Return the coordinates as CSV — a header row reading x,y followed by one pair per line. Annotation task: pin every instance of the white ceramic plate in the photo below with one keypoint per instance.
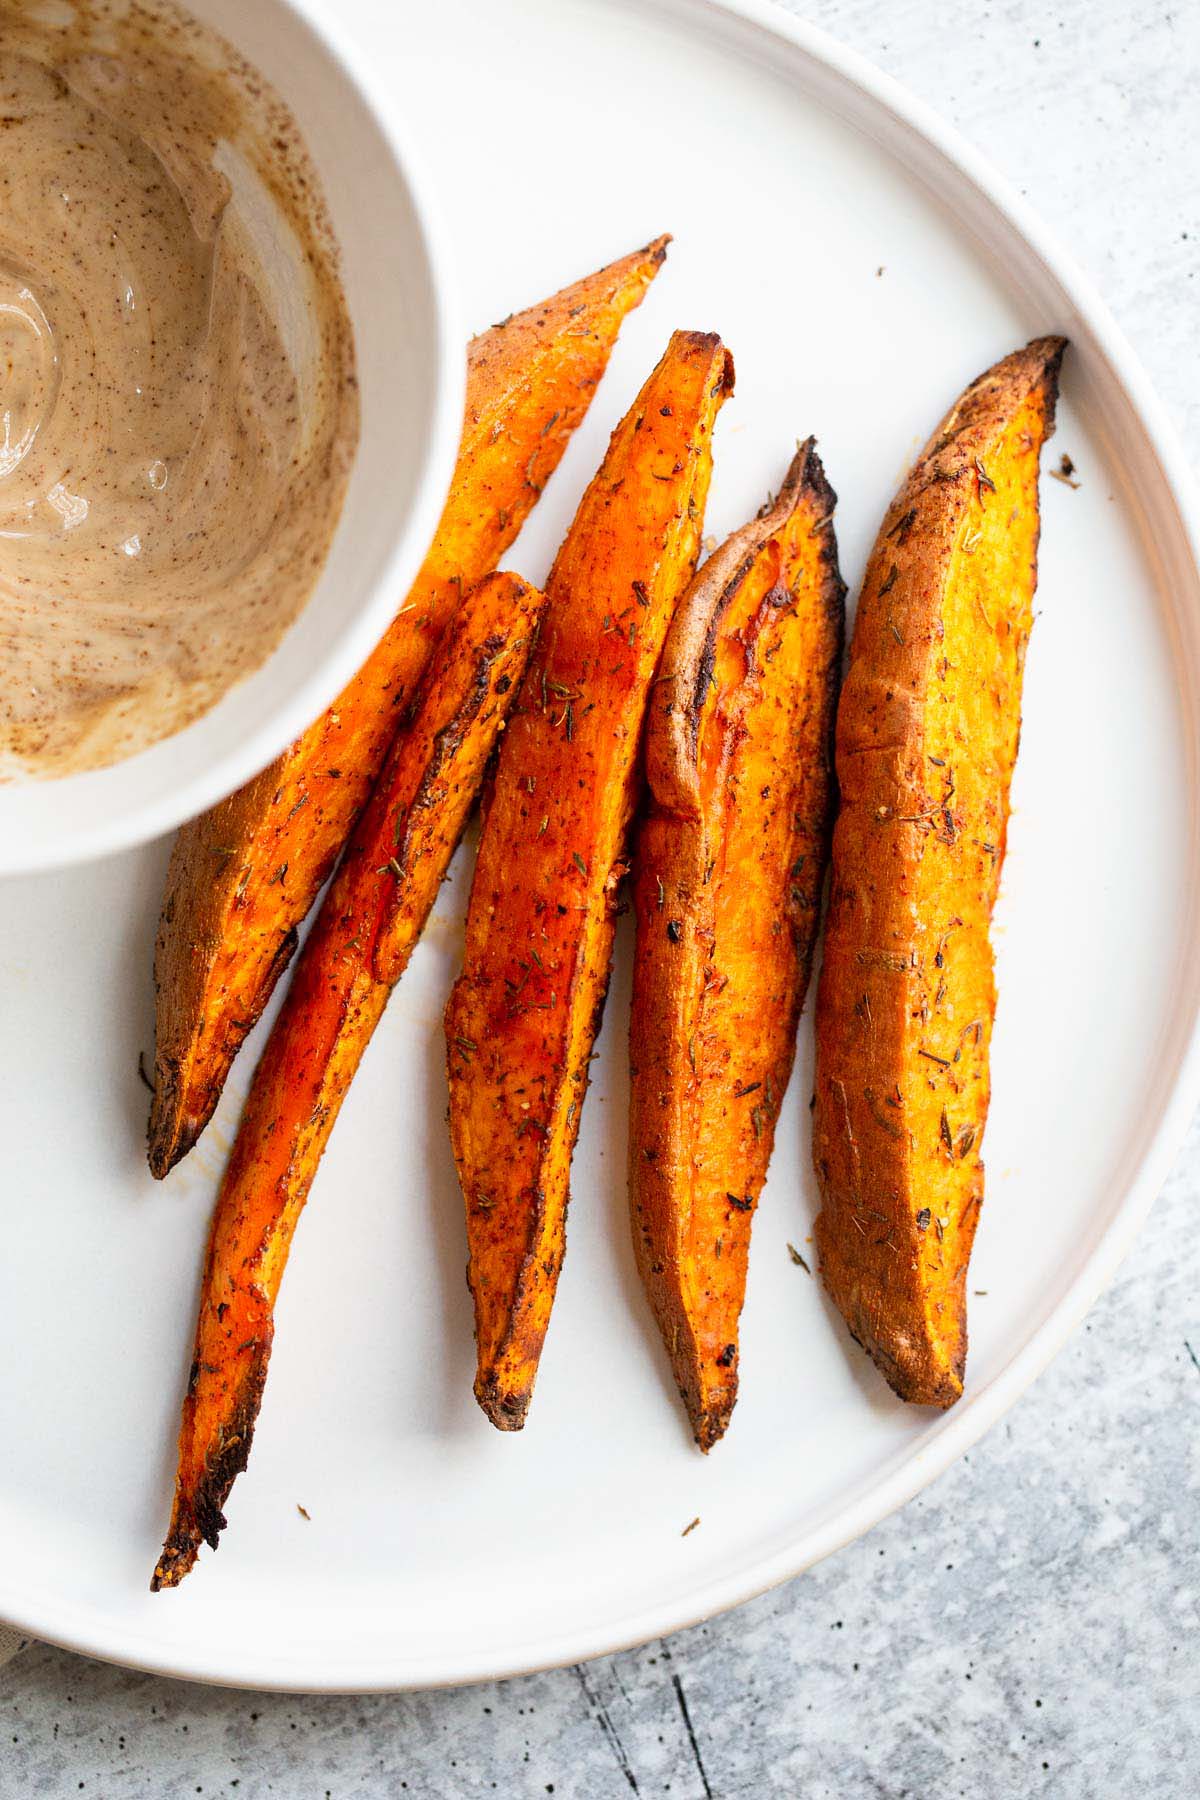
x,y
863,266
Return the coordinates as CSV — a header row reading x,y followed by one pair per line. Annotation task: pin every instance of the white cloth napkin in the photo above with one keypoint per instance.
x,y
10,1642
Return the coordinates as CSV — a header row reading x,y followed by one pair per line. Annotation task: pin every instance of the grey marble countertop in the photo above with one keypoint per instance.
x,y
1029,1625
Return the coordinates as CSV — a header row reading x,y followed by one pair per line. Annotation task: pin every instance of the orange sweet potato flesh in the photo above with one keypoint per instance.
x,y
373,914
523,1017
927,736
729,868
243,876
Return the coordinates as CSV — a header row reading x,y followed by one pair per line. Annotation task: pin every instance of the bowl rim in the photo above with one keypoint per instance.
x,y
138,822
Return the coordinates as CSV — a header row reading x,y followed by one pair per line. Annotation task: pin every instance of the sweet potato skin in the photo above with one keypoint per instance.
x,y
243,876
372,917
927,736
522,1019
730,864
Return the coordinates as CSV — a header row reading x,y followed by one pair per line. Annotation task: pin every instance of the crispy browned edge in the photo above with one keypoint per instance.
x,y
691,646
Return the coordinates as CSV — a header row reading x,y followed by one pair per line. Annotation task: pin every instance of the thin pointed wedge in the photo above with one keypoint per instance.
x,y
243,876
523,1017
729,867
374,911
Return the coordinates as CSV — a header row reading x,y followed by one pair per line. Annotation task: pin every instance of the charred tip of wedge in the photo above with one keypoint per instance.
x,y
197,1516
191,1526
169,1135
708,1404
173,1128
912,1375
712,1422
177,1560
1052,350
506,1410
1049,350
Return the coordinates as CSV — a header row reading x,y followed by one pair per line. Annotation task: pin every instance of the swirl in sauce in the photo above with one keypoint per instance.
x,y
178,409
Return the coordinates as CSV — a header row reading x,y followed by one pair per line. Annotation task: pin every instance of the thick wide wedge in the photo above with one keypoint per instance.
x,y
729,864
523,1017
375,911
927,738
243,876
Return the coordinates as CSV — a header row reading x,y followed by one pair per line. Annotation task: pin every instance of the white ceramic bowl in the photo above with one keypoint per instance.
x,y
411,373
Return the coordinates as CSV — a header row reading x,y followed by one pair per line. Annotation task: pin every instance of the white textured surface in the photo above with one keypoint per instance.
x,y
1029,1625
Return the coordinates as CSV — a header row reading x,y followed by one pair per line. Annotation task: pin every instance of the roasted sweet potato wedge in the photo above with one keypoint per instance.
x,y
729,867
243,876
523,1016
926,741
374,911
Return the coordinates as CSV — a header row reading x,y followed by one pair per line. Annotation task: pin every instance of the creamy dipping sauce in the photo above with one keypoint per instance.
x,y
178,409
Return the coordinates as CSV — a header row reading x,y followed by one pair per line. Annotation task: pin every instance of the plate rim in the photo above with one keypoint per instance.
x,y
882,1496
